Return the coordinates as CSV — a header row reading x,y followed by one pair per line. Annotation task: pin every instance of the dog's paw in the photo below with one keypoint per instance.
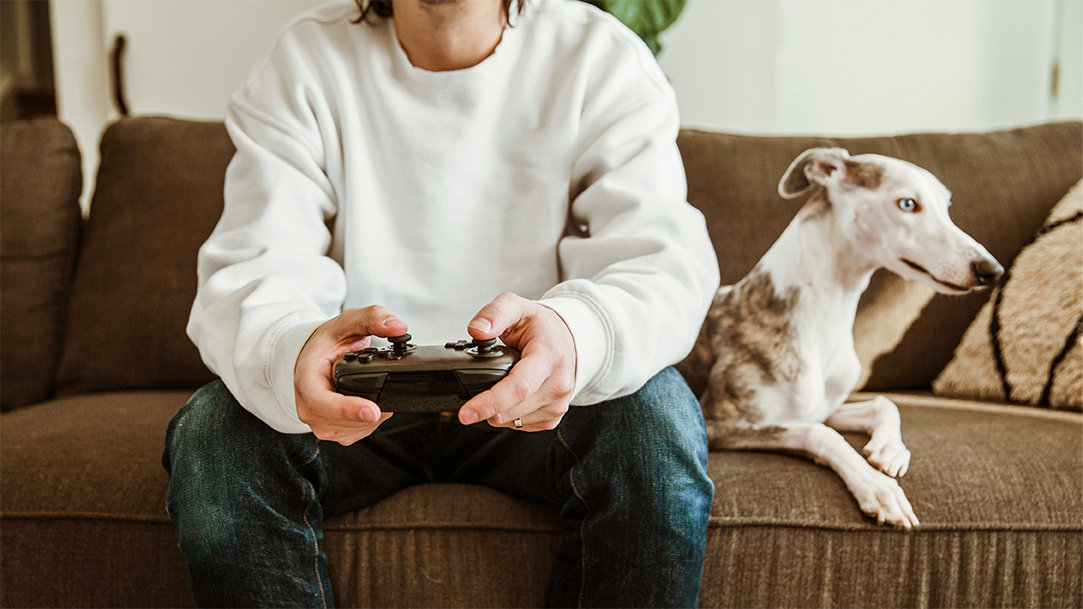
x,y
882,498
888,454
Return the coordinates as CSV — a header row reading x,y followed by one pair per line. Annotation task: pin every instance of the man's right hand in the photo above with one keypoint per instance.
x,y
331,415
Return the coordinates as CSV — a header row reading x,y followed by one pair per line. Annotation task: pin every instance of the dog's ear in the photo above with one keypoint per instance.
x,y
812,167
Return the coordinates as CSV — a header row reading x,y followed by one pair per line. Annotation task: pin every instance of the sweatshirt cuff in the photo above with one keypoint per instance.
x,y
592,341
285,347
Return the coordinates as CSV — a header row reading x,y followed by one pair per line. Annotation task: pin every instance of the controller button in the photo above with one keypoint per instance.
x,y
365,358
350,357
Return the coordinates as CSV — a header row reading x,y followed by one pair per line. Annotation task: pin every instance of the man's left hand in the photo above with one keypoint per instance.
x,y
539,387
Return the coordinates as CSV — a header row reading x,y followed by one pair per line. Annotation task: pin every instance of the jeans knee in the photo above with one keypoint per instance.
x,y
652,446
212,425
216,452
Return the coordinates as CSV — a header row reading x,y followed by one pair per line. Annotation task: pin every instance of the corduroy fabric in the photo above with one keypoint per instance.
x,y
997,489
1004,183
157,197
39,205
779,566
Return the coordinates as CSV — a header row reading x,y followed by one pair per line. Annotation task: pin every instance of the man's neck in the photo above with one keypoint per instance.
x,y
441,35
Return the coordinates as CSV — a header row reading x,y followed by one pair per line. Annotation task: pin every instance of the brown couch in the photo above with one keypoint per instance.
x,y
95,361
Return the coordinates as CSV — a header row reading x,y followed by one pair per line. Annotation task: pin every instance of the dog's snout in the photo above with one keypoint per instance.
x,y
987,271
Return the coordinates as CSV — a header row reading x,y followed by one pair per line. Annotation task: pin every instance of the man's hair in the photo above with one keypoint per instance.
x,y
383,9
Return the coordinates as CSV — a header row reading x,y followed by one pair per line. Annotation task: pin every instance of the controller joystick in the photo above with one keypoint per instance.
x,y
485,348
400,345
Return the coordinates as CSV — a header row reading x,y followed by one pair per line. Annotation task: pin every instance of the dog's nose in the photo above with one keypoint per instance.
x,y
987,271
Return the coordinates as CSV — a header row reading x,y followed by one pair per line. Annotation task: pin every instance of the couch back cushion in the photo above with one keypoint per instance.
x,y
157,198
1003,183
39,204
159,194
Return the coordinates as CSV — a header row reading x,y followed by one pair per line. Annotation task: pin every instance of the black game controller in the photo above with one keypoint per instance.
x,y
407,378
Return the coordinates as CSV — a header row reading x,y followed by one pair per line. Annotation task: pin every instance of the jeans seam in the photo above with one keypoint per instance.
x,y
582,522
312,531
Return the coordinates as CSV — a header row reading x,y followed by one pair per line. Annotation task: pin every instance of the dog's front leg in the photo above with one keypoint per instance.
x,y
878,495
880,419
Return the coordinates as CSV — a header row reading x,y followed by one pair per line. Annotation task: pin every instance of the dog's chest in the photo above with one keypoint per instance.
x,y
837,373
781,356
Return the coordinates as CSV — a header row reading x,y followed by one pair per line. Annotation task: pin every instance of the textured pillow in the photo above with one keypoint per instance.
x,y
39,204
1024,346
157,198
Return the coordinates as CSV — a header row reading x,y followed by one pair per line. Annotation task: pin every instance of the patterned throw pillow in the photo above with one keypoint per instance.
x,y
1025,344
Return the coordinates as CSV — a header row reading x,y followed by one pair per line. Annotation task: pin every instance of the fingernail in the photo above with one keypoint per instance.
x,y
468,417
481,325
368,415
390,320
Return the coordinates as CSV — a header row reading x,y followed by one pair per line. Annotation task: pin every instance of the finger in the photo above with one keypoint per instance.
x,y
542,410
367,321
525,378
324,405
496,317
350,331
351,435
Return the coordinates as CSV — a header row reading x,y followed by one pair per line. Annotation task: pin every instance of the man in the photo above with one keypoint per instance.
x,y
460,165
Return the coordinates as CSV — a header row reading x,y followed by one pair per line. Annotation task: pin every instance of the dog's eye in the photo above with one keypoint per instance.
x,y
909,205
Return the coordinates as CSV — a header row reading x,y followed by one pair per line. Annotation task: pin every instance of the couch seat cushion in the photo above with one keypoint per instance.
x,y
998,491
974,466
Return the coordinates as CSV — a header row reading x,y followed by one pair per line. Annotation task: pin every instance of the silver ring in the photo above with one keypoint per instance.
x,y
517,423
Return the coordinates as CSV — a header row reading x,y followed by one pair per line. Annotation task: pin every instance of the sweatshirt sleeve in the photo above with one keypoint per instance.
x,y
639,279
265,281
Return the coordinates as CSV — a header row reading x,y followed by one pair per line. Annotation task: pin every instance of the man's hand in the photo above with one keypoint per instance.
x,y
539,387
331,415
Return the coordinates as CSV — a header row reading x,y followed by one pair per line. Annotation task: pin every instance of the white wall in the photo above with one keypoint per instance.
x,y
839,67
81,74
187,56
846,67
1068,103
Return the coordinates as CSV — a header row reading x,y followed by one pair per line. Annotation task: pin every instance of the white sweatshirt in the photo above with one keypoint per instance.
x,y
550,170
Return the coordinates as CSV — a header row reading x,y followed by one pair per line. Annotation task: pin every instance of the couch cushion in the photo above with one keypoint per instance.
x,y
1004,184
83,521
39,203
1025,346
158,196
998,491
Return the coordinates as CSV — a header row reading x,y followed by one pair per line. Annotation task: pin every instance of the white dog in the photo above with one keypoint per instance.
x,y
779,344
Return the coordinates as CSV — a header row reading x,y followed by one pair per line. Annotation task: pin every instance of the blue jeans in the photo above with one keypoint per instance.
x,y
628,476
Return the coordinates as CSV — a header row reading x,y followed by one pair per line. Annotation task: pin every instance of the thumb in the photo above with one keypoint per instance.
x,y
359,323
496,317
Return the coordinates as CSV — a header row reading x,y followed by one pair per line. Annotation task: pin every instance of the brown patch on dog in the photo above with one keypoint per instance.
x,y
863,175
751,335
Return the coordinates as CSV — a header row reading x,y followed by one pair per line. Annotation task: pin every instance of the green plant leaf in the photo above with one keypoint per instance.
x,y
647,18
